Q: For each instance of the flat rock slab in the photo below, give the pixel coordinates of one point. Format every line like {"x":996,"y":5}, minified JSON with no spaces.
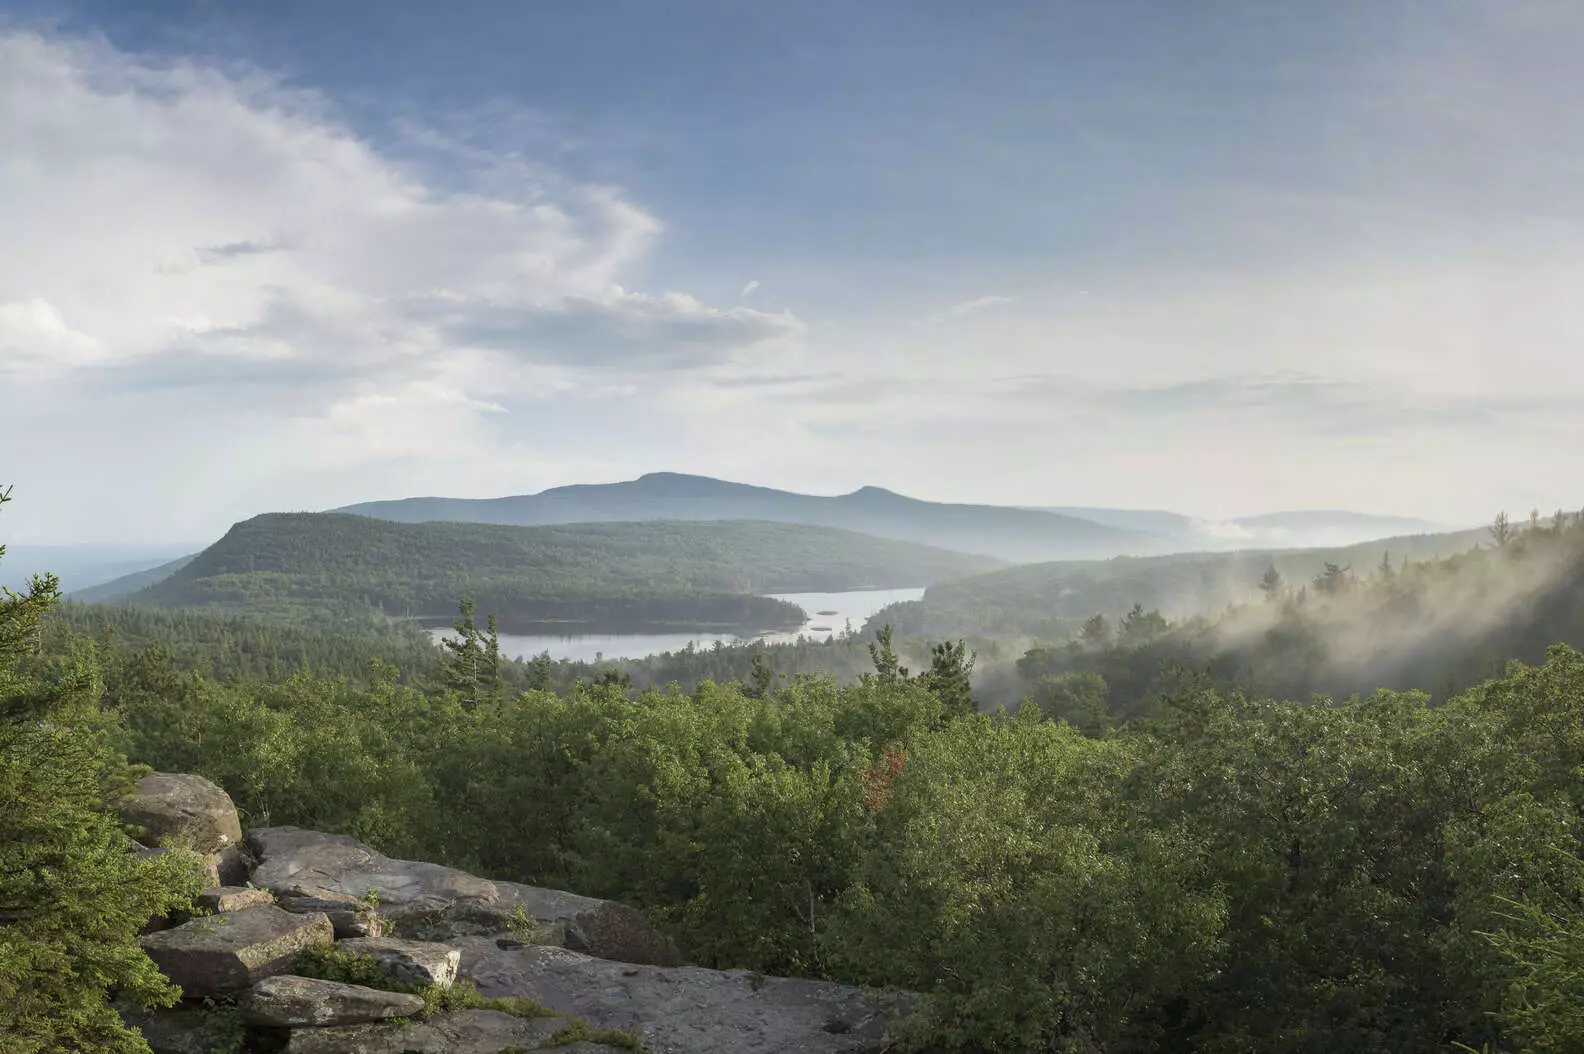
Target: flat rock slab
{"x":415,"y":962}
{"x":296,"y":1002}
{"x":349,"y":917}
{"x":224,"y":953}
{"x":430,"y":902}
{"x":232,"y":898}
{"x":459,"y":1032}
{"x":685,"y":1009}
{"x":184,"y":811}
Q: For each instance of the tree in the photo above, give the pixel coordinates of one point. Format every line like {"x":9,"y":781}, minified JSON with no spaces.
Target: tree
{"x":1501,"y":529}
{"x":1139,"y":626}
{"x":1386,"y":572}
{"x":1272,"y":584}
{"x":888,"y":669}
{"x":1332,"y":580}
{"x":73,"y":894}
{"x":471,"y":664}
{"x":1096,"y":632}
{"x":950,"y":677}
{"x":541,"y":669}
{"x":761,"y":677}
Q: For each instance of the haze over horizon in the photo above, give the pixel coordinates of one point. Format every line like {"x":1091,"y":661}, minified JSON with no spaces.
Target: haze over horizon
{"x":1216,"y":259}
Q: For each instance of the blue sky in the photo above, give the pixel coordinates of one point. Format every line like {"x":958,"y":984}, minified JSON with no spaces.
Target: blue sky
{"x":1220,"y":257}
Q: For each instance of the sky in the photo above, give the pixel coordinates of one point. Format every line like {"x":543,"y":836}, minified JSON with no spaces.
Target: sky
{"x":1219,"y":257}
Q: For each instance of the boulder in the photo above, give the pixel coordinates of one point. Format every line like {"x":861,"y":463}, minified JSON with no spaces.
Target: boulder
{"x":295,"y":1002}
{"x":686,"y":1008}
{"x":183,"y":811}
{"x":179,"y":1031}
{"x":233,"y":866}
{"x":350,"y":916}
{"x":232,"y":898}
{"x":458,"y":1032}
{"x":429,"y":902}
{"x":416,"y":962}
{"x":224,"y":953}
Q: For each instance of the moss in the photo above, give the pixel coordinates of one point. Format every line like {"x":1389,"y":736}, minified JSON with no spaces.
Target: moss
{"x":577,"y":1031}
{"x":464,"y":996}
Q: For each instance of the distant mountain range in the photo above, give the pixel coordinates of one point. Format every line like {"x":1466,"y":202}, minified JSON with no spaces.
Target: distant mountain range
{"x":1004,"y":533}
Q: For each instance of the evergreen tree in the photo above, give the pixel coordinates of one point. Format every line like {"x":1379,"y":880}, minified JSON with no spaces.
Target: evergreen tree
{"x":888,"y":669}
{"x":950,"y":678}
{"x":1272,"y":584}
{"x":761,"y":677}
{"x":1096,"y":632}
{"x":541,"y":672}
{"x":73,"y":894}
{"x":465,"y":656}
{"x":493,"y":683}
{"x":1501,"y":529}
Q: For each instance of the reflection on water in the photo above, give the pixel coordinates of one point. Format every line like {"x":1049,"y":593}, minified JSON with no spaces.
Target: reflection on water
{"x":829,"y":614}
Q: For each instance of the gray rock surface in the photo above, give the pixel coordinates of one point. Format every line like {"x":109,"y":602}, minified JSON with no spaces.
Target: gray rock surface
{"x":223,"y":953}
{"x":685,"y":1009}
{"x":430,"y":902}
{"x":182,"y":810}
{"x":232,"y":898}
{"x":459,"y":1032}
{"x":295,"y":1002}
{"x":176,"y":1031}
{"x":232,"y":866}
{"x":416,"y":962}
{"x":349,"y":916}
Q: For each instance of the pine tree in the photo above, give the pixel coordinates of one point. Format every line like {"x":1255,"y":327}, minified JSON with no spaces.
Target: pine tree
{"x":761,"y":676}
{"x":73,"y":893}
{"x":888,"y":669}
{"x":950,"y":678}
{"x":1272,"y":584}
{"x":463,"y":662}
{"x":541,"y":670}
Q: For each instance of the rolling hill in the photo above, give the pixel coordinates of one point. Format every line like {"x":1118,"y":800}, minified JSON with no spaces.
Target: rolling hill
{"x":325,"y":566}
{"x":1011,"y":534}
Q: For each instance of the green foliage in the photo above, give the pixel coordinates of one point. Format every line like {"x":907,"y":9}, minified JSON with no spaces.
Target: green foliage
{"x":580,"y":1031}
{"x":73,"y":894}
{"x":1173,"y":863}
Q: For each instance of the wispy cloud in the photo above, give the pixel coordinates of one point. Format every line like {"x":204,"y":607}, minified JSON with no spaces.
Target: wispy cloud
{"x":753,"y":283}
{"x":967,"y":307}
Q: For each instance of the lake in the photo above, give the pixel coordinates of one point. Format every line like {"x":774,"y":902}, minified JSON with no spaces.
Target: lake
{"x":829,"y":614}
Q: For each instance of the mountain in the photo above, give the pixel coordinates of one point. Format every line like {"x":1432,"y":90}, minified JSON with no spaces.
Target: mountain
{"x":1016,"y":535}
{"x":1305,"y":528}
{"x":119,"y":588}
{"x":330,"y":567}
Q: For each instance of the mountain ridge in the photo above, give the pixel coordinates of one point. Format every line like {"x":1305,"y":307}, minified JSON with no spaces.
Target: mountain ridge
{"x":998,"y":531}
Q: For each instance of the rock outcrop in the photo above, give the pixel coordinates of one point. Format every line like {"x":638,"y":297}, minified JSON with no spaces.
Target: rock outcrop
{"x":421,"y":963}
{"x":181,"y":811}
{"x":218,"y":954}
{"x":685,"y":1008}
{"x":582,"y":975}
{"x":431,"y":902}
{"x":305,"y":1002}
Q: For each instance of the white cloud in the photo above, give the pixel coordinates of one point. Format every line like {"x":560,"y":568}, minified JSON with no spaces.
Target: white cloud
{"x":747,"y":290}
{"x":966,"y":307}
{"x":176,"y":214}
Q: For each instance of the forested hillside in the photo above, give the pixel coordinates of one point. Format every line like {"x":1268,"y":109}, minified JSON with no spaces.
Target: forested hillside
{"x":347,"y":570}
{"x":1436,"y":626}
{"x":1049,"y":601}
{"x":1011,"y":534}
